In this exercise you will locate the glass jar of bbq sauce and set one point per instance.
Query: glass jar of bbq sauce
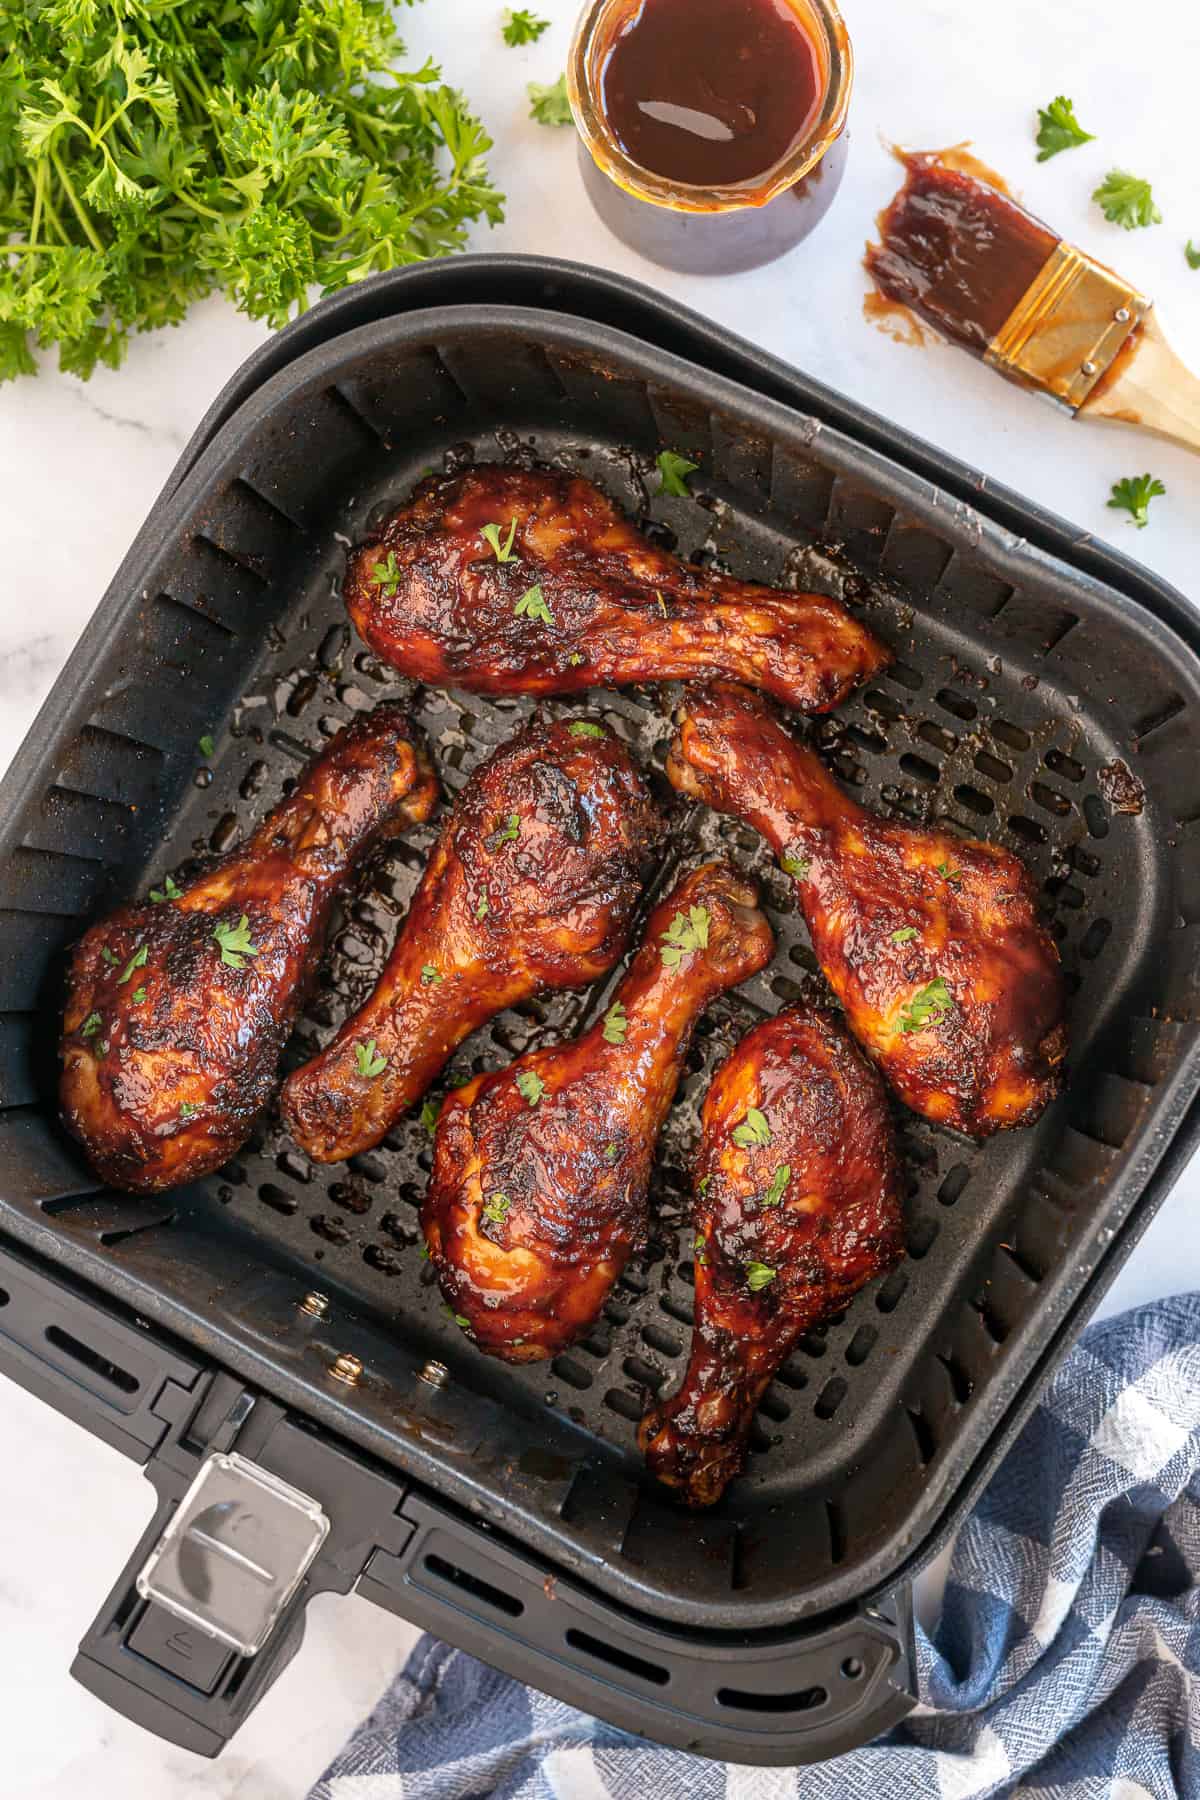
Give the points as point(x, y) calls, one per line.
point(712, 132)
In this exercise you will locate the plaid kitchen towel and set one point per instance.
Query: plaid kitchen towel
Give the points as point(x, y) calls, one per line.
point(1066, 1664)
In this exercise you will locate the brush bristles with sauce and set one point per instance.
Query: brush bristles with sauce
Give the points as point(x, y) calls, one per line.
point(968, 260)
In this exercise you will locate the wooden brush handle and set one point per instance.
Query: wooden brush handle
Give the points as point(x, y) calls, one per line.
point(1150, 388)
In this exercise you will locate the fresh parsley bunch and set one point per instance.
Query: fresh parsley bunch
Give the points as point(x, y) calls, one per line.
point(152, 151)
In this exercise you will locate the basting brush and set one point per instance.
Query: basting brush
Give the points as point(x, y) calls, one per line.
point(972, 263)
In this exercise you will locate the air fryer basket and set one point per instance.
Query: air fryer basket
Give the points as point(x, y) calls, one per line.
point(1021, 683)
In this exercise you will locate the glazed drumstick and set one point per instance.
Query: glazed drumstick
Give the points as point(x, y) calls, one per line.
point(797, 1205)
point(930, 942)
point(532, 886)
point(177, 1011)
point(540, 1170)
point(563, 594)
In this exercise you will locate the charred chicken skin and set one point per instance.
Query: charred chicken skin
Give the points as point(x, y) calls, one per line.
point(177, 1010)
point(931, 942)
point(532, 886)
point(508, 581)
point(541, 1170)
point(797, 1206)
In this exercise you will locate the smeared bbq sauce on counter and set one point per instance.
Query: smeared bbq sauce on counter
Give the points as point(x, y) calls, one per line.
point(955, 249)
point(711, 92)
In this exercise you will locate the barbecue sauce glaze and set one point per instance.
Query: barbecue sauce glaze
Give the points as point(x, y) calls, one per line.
point(711, 92)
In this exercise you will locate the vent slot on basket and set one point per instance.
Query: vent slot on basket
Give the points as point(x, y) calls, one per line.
point(625, 1660)
point(451, 1575)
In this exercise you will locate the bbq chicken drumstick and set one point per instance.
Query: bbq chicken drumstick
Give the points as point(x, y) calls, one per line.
point(540, 1170)
point(512, 581)
point(177, 1010)
point(930, 942)
point(532, 886)
point(797, 1205)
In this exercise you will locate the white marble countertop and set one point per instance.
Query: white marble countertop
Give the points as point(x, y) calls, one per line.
point(80, 466)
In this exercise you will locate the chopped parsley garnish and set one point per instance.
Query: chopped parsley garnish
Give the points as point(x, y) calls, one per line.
point(429, 975)
point(927, 1006)
point(753, 1131)
point(702, 1189)
point(778, 1187)
point(429, 1117)
point(522, 27)
point(532, 605)
point(206, 745)
point(168, 891)
point(91, 1025)
point(576, 658)
point(584, 728)
point(483, 909)
point(549, 105)
point(798, 866)
point(139, 994)
point(1126, 200)
point(530, 1086)
point(108, 956)
point(188, 1109)
point(137, 961)
point(699, 1249)
point(610, 1153)
point(464, 1324)
point(1192, 254)
point(508, 833)
point(495, 1207)
point(905, 935)
point(673, 472)
point(385, 576)
point(1059, 129)
point(235, 942)
point(758, 1276)
point(370, 1063)
point(685, 935)
point(503, 550)
point(1134, 494)
point(953, 876)
point(614, 1024)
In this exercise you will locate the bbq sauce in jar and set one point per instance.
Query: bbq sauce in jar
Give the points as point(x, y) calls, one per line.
point(711, 129)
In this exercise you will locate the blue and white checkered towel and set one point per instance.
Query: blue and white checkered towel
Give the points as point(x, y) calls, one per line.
point(1066, 1664)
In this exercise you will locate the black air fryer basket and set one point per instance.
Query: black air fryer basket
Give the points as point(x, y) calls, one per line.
point(507, 1508)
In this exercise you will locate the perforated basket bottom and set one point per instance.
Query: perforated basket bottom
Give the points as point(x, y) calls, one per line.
point(1018, 685)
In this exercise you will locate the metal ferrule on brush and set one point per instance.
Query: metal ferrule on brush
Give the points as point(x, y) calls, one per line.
point(1062, 335)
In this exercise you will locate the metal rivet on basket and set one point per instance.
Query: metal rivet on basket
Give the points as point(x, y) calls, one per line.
point(435, 1373)
point(347, 1368)
point(1089, 368)
point(1122, 315)
point(315, 1305)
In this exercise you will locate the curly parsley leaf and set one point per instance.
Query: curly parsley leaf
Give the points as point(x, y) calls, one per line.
point(779, 1185)
point(234, 941)
point(684, 936)
point(429, 1117)
point(495, 1207)
point(927, 1006)
point(483, 909)
point(153, 153)
point(549, 105)
point(385, 576)
point(1192, 254)
point(1126, 200)
point(491, 535)
point(1059, 129)
point(136, 961)
point(532, 605)
point(905, 935)
point(507, 833)
point(953, 876)
point(530, 1086)
point(753, 1132)
point(188, 1109)
point(205, 745)
point(584, 728)
point(370, 1063)
point(91, 1025)
point(108, 956)
point(799, 866)
point(615, 1024)
point(1134, 494)
point(674, 471)
point(430, 975)
point(759, 1276)
point(168, 891)
point(522, 27)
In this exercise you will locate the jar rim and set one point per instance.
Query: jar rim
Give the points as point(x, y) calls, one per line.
point(832, 43)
